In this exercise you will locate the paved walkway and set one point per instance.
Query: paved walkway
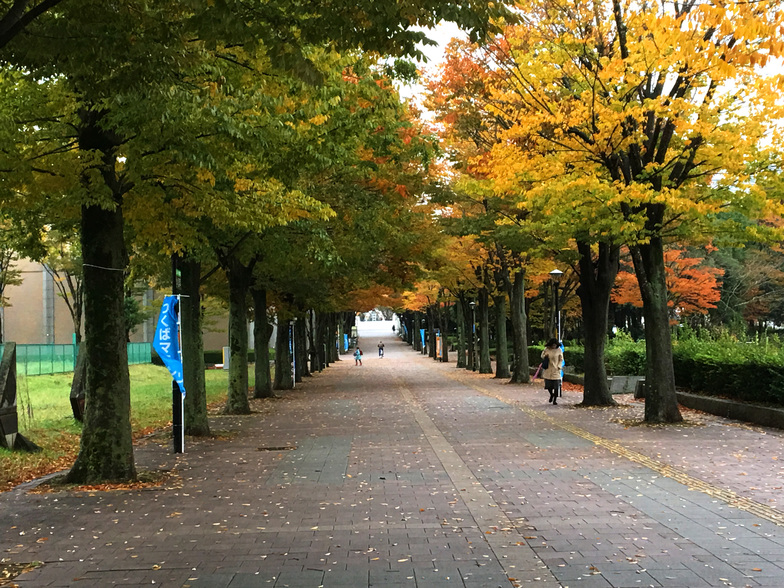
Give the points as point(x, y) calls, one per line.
point(408, 472)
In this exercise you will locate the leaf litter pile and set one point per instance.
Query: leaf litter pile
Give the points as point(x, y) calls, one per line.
point(10, 570)
point(145, 480)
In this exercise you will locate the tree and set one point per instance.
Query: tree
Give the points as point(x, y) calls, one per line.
point(692, 286)
point(661, 105)
point(122, 64)
point(19, 15)
point(9, 276)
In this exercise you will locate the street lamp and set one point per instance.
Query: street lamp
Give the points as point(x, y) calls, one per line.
point(555, 276)
point(472, 304)
point(293, 348)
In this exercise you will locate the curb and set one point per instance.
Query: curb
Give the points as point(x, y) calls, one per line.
point(766, 416)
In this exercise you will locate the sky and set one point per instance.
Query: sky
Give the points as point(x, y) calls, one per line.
point(442, 34)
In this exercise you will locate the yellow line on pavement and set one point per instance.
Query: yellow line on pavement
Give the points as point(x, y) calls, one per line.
point(731, 498)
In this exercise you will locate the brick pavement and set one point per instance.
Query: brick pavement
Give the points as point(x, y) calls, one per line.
point(408, 472)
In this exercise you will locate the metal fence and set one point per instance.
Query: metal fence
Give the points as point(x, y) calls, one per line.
point(35, 360)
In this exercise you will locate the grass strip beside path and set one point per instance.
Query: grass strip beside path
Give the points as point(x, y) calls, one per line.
point(45, 417)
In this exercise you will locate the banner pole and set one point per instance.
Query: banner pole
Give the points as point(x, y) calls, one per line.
point(178, 402)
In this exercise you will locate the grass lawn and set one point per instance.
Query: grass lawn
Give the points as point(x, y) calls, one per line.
point(45, 417)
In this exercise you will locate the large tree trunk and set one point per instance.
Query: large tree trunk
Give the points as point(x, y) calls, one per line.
point(106, 451)
point(239, 281)
point(661, 403)
point(262, 331)
point(485, 366)
point(501, 344)
point(596, 283)
point(283, 376)
point(522, 371)
point(196, 422)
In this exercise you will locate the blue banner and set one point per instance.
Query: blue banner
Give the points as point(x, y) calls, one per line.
point(422, 333)
point(167, 342)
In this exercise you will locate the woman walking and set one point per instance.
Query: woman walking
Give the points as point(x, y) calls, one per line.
point(552, 362)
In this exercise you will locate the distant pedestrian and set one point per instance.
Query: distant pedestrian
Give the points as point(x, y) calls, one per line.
point(381, 349)
point(552, 356)
point(358, 356)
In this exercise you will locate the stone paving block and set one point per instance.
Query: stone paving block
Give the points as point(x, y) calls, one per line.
point(209, 580)
point(630, 579)
point(395, 577)
point(462, 456)
point(679, 579)
point(299, 579)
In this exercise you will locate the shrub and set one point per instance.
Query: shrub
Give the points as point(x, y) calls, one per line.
point(624, 356)
point(752, 372)
point(574, 356)
point(211, 357)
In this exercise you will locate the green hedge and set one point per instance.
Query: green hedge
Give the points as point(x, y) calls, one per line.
point(753, 372)
point(574, 356)
point(211, 357)
point(746, 371)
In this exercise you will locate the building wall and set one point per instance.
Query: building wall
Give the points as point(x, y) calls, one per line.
point(24, 316)
point(38, 314)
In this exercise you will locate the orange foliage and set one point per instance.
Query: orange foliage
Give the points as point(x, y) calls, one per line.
point(370, 298)
point(693, 288)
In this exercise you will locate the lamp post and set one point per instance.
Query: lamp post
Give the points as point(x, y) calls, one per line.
point(555, 276)
point(472, 304)
point(293, 349)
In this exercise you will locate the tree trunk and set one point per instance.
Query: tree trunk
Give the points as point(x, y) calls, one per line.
point(444, 314)
point(332, 336)
point(239, 281)
point(432, 321)
point(321, 345)
point(522, 370)
point(485, 366)
point(461, 331)
point(416, 337)
point(262, 331)
point(301, 350)
point(501, 343)
point(106, 451)
point(596, 283)
point(315, 357)
point(661, 403)
point(196, 422)
point(283, 376)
